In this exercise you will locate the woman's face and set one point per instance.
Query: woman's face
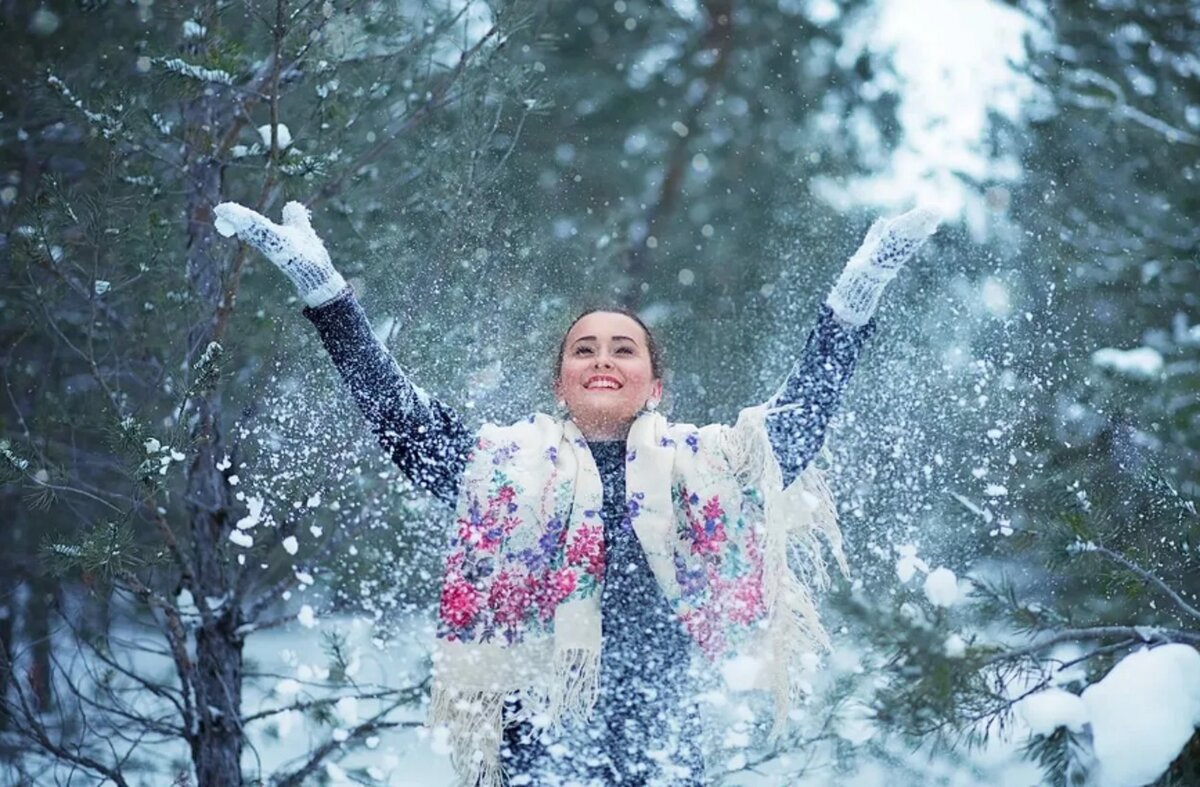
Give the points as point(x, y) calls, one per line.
point(606, 375)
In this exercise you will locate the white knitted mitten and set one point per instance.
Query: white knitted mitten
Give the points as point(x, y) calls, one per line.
point(889, 244)
point(292, 246)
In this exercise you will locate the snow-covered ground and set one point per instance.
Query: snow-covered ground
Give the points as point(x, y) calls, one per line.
point(412, 757)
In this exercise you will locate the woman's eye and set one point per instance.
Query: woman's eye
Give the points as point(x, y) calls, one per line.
point(582, 350)
point(626, 350)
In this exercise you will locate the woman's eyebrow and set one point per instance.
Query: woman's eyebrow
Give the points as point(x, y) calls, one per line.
point(593, 338)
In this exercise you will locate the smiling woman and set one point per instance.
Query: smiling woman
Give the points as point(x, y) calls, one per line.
point(608, 370)
point(590, 553)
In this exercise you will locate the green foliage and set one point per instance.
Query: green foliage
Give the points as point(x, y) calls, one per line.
point(109, 550)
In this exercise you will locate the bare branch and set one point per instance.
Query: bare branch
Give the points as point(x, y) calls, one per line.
point(437, 99)
point(408, 695)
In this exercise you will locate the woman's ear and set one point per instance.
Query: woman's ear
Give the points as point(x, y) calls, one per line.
point(658, 389)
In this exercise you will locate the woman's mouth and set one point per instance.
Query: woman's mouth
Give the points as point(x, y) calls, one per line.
point(601, 383)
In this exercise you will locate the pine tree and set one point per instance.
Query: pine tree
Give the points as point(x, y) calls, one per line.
point(137, 387)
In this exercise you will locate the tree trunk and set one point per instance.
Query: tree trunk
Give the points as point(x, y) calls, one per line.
point(8, 588)
point(37, 631)
point(217, 740)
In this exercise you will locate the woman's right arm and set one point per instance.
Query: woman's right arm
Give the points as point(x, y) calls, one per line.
point(425, 438)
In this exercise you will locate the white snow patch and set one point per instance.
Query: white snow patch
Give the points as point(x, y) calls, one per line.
point(241, 538)
point(995, 297)
point(955, 647)
point(953, 64)
point(1143, 712)
point(254, 517)
point(941, 587)
point(186, 69)
point(1139, 362)
point(307, 617)
point(1048, 710)
point(908, 563)
point(287, 687)
point(347, 710)
point(741, 672)
point(291, 545)
point(285, 135)
point(439, 740)
point(855, 723)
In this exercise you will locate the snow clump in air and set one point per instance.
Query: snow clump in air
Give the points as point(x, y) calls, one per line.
point(941, 587)
point(908, 563)
point(307, 617)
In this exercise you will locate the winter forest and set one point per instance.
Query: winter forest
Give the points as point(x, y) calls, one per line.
point(211, 574)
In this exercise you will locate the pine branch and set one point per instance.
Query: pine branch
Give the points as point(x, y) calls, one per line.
point(1149, 577)
point(1136, 633)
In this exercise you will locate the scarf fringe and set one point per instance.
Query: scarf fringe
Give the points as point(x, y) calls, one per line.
point(575, 685)
point(475, 720)
point(800, 523)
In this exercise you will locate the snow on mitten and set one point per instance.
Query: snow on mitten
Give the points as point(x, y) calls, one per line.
point(292, 246)
point(889, 244)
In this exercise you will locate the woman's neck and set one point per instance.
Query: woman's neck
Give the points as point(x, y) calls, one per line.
point(605, 431)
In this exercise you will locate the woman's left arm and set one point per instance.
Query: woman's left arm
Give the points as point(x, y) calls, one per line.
point(800, 411)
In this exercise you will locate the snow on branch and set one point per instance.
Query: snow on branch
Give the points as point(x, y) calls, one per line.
point(185, 69)
point(109, 126)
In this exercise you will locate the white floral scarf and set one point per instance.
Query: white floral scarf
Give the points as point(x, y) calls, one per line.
point(520, 599)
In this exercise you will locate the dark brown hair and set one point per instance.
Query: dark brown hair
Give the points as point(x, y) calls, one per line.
point(656, 359)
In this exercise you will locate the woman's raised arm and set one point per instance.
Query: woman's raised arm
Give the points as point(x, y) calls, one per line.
point(426, 439)
point(800, 410)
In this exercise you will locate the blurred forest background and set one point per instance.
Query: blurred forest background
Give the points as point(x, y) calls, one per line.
point(208, 571)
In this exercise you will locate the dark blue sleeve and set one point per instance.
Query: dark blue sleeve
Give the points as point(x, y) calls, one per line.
point(426, 439)
point(813, 391)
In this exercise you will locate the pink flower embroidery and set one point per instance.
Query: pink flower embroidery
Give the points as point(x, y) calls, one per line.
point(745, 604)
point(704, 627)
point(554, 587)
point(587, 548)
point(708, 535)
point(460, 602)
point(510, 597)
